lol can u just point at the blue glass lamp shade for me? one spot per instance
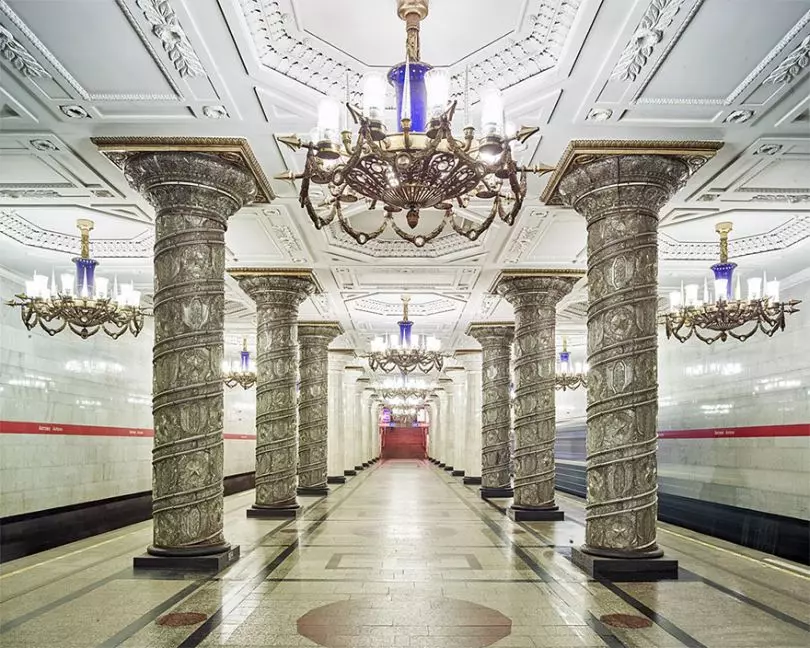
(418, 92)
(564, 356)
(725, 271)
(405, 333)
(85, 275)
(245, 360)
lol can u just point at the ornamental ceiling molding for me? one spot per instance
(786, 235)
(166, 26)
(649, 33)
(379, 307)
(19, 229)
(444, 245)
(312, 62)
(793, 64)
(19, 57)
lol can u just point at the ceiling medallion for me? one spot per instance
(569, 376)
(422, 165)
(83, 303)
(240, 372)
(401, 354)
(728, 315)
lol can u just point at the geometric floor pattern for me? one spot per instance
(401, 555)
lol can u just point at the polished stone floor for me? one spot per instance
(401, 555)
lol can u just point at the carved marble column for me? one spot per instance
(338, 359)
(496, 344)
(459, 418)
(277, 294)
(472, 436)
(351, 419)
(620, 196)
(313, 404)
(365, 422)
(534, 295)
(434, 432)
(193, 194)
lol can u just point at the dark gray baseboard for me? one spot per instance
(29, 533)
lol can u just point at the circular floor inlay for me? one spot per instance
(336, 624)
(625, 621)
(176, 619)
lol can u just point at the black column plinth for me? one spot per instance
(471, 481)
(457, 473)
(312, 490)
(349, 473)
(448, 468)
(626, 569)
(187, 561)
(528, 514)
(336, 479)
(487, 493)
(440, 464)
(359, 467)
(274, 512)
(366, 464)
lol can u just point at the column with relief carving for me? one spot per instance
(472, 434)
(459, 377)
(534, 294)
(496, 345)
(193, 194)
(448, 440)
(278, 294)
(351, 419)
(620, 188)
(313, 404)
(338, 359)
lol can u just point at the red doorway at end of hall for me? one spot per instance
(404, 442)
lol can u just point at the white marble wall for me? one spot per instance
(94, 382)
(761, 382)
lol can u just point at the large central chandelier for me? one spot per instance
(83, 302)
(240, 372)
(568, 375)
(420, 166)
(728, 315)
(402, 352)
(404, 389)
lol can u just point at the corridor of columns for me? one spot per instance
(401, 555)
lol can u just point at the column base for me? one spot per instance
(156, 558)
(349, 473)
(312, 490)
(359, 467)
(336, 479)
(274, 512)
(448, 468)
(471, 481)
(487, 493)
(647, 567)
(457, 473)
(528, 514)
(366, 464)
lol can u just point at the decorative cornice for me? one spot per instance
(233, 149)
(580, 152)
(480, 325)
(303, 273)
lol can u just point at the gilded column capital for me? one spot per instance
(272, 286)
(541, 288)
(492, 334)
(317, 332)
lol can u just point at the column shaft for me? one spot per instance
(193, 195)
(496, 343)
(313, 404)
(472, 437)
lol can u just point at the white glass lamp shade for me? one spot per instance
(438, 91)
(68, 281)
(377, 345)
(102, 285)
(691, 291)
(721, 289)
(374, 88)
(328, 120)
(754, 288)
(491, 112)
(433, 344)
(772, 290)
(675, 300)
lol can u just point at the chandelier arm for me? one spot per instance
(357, 235)
(473, 233)
(412, 238)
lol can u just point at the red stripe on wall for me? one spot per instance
(758, 431)
(25, 427)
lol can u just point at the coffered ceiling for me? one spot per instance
(731, 70)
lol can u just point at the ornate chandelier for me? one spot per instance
(569, 376)
(240, 372)
(728, 315)
(83, 303)
(400, 353)
(420, 166)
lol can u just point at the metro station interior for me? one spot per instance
(418, 323)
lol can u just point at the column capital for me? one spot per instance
(471, 359)
(274, 285)
(315, 332)
(173, 159)
(542, 288)
(589, 164)
(492, 334)
(339, 358)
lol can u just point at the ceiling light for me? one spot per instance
(569, 376)
(83, 303)
(728, 315)
(240, 372)
(422, 165)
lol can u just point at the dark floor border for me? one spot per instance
(779, 535)
(29, 533)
